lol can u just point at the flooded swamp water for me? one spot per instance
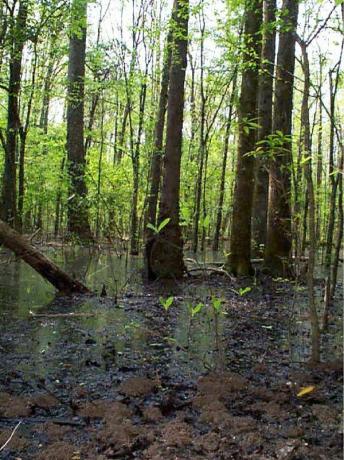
(121, 377)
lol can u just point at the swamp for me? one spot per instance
(171, 229)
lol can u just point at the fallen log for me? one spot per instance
(39, 262)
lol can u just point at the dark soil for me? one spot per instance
(135, 381)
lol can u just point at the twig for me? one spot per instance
(60, 315)
(12, 434)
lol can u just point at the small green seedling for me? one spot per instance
(161, 226)
(243, 291)
(196, 309)
(216, 304)
(166, 303)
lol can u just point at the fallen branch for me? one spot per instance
(39, 262)
(220, 271)
(12, 434)
(61, 315)
(35, 420)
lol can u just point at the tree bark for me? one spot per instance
(279, 240)
(239, 259)
(224, 167)
(306, 149)
(261, 186)
(39, 262)
(165, 250)
(9, 193)
(78, 221)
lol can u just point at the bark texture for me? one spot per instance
(279, 238)
(78, 223)
(261, 186)
(157, 156)
(9, 192)
(238, 261)
(166, 248)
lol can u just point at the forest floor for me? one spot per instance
(126, 379)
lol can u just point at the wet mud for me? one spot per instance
(121, 377)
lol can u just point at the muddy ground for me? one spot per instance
(123, 378)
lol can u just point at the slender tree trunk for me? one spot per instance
(339, 240)
(9, 193)
(306, 149)
(100, 164)
(319, 155)
(239, 259)
(23, 133)
(202, 147)
(261, 186)
(279, 239)
(134, 237)
(224, 167)
(58, 213)
(334, 181)
(78, 220)
(166, 248)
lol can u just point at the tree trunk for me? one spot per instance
(306, 149)
(261, 186)
(279, 240)
(155, 168)
(202, 146)
(78, 222)
(239, 259)
(134, 237)
(165, 249)
(9, 193)
(39, 262)
(224, 167)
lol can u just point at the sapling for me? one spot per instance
(166, 303)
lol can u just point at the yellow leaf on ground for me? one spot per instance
(305, 391)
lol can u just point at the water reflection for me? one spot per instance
(118, 335)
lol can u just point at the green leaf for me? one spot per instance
(196, 309)
(243, 291)
(166, 303)
(217, 303)
(152, 227)
(163, 224)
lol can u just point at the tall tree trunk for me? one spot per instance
(202, 146)
(78, 220)
(306, 150)
(157, 156)
(261, 186)
(239, 259)
(9, 193)
(279, 240)
(23, 132)
(320, 152)
(166, 248)
(134, 237)
(224, 167)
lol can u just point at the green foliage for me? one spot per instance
(194, 310)
(166, 303)
(160, 227)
